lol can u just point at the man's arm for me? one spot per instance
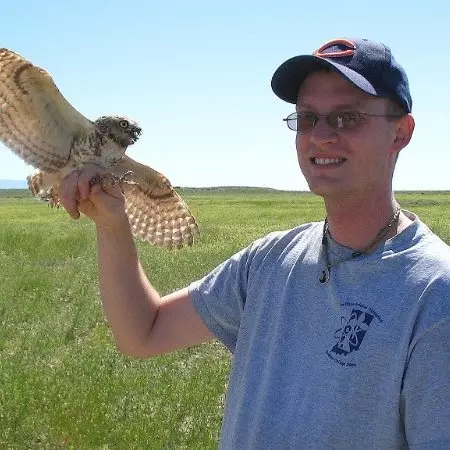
(425, 396)
(143, 323)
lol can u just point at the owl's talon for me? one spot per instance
(95, 180)
(111, 179)
(123, 178)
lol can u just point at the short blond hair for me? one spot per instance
(394, 109)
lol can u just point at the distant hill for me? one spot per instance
(13, 184)
(22, 184)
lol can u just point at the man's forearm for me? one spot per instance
(129, 301)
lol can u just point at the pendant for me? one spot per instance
(324, 276)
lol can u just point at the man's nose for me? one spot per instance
(322, 133)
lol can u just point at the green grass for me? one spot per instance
(63, 384)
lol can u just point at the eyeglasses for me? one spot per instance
(305, 121)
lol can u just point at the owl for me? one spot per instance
(40, 126)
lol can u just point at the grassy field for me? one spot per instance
(63, 384)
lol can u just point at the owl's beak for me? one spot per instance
(134, 135)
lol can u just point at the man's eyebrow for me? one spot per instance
(340, 106)
(304, 105)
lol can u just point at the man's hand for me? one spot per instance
(104, 203)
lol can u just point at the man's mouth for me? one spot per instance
(327, 161)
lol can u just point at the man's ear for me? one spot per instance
(404, 131)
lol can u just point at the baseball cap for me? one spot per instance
(369, 65)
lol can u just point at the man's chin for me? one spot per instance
(320, 190)
(327, 191)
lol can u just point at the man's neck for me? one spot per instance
(355, 223)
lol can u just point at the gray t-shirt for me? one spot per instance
(362, 361)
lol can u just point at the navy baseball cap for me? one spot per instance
(369, 65)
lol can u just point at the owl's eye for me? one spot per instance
(124, 123)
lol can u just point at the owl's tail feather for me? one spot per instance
(38, 187)
(35, 182)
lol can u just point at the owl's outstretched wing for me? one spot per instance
(36, 121)
(155, 210)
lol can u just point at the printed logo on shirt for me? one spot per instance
(349, 337)
(352, 332)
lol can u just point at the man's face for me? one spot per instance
(345, 162)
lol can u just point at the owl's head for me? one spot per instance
(121, 130)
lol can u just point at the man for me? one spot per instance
(340, 330)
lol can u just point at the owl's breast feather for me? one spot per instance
(95, 148)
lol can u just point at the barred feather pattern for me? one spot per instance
(36, 121)
(41, 189)
(163, 220)
(35, 183)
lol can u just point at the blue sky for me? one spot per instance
(196, 76)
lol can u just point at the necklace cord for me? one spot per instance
(326, 273)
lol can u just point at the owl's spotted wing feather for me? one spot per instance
(155, 210)
(36, 121)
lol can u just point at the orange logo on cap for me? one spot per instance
(351, 47)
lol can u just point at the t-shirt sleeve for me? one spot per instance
(426, 390)
(219, 297)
